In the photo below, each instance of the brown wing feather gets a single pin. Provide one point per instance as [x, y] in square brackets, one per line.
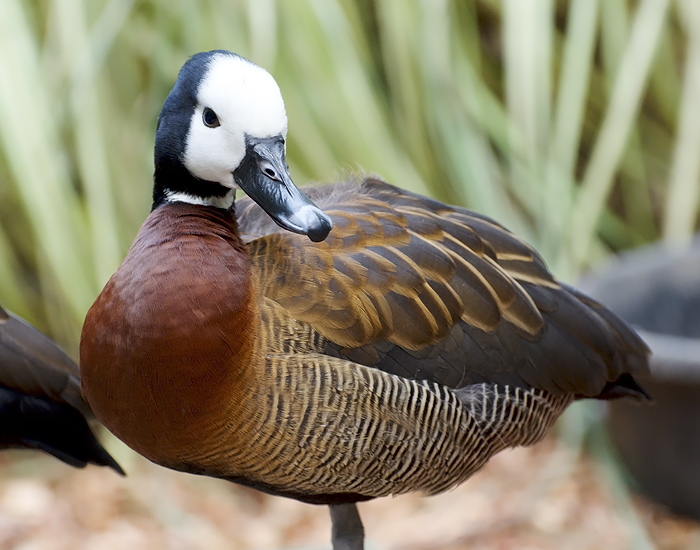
[423, 290]
[32, 363]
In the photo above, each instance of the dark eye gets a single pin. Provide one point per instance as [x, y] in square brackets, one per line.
[210, 119]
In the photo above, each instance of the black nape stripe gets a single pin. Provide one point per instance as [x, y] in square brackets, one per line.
[171, 134]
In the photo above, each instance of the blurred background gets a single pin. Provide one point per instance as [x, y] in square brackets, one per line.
[574, 123]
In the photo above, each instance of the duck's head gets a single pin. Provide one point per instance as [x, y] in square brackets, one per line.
[224, 127]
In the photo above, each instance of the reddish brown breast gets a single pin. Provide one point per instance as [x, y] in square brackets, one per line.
[166, 350]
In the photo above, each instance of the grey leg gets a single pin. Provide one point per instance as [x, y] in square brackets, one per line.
[348, 533]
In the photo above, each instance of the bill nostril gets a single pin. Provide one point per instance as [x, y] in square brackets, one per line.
[267, 168]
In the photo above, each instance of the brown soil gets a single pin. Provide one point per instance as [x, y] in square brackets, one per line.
[527, 499]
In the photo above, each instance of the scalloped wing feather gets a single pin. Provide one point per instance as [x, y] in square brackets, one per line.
[409, 285]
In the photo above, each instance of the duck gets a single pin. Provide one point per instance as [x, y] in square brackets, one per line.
[334, 343]
[40, 402]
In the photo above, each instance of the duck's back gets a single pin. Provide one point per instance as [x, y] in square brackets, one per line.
[426, 291]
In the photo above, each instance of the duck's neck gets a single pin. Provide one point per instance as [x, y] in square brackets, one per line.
[171, 178]
[168, 350]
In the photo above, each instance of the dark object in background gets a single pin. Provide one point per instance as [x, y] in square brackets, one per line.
[40, 402]
[658, 290]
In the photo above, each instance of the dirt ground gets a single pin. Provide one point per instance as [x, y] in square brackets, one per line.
[527, 499]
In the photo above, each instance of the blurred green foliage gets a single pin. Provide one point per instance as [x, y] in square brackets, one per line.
[576, 124]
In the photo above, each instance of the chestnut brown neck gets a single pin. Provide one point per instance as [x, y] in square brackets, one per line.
[168, 349]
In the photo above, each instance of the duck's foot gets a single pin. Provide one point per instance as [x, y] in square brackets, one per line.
[348, 533]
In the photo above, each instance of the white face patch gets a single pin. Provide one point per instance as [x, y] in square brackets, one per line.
[246, 100]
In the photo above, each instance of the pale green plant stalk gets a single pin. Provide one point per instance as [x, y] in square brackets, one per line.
[35, 159]
[567, 126]
[684, 182]
[614, 132]
[527, 37]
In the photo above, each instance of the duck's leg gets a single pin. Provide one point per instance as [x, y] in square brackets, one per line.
[348, 533]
